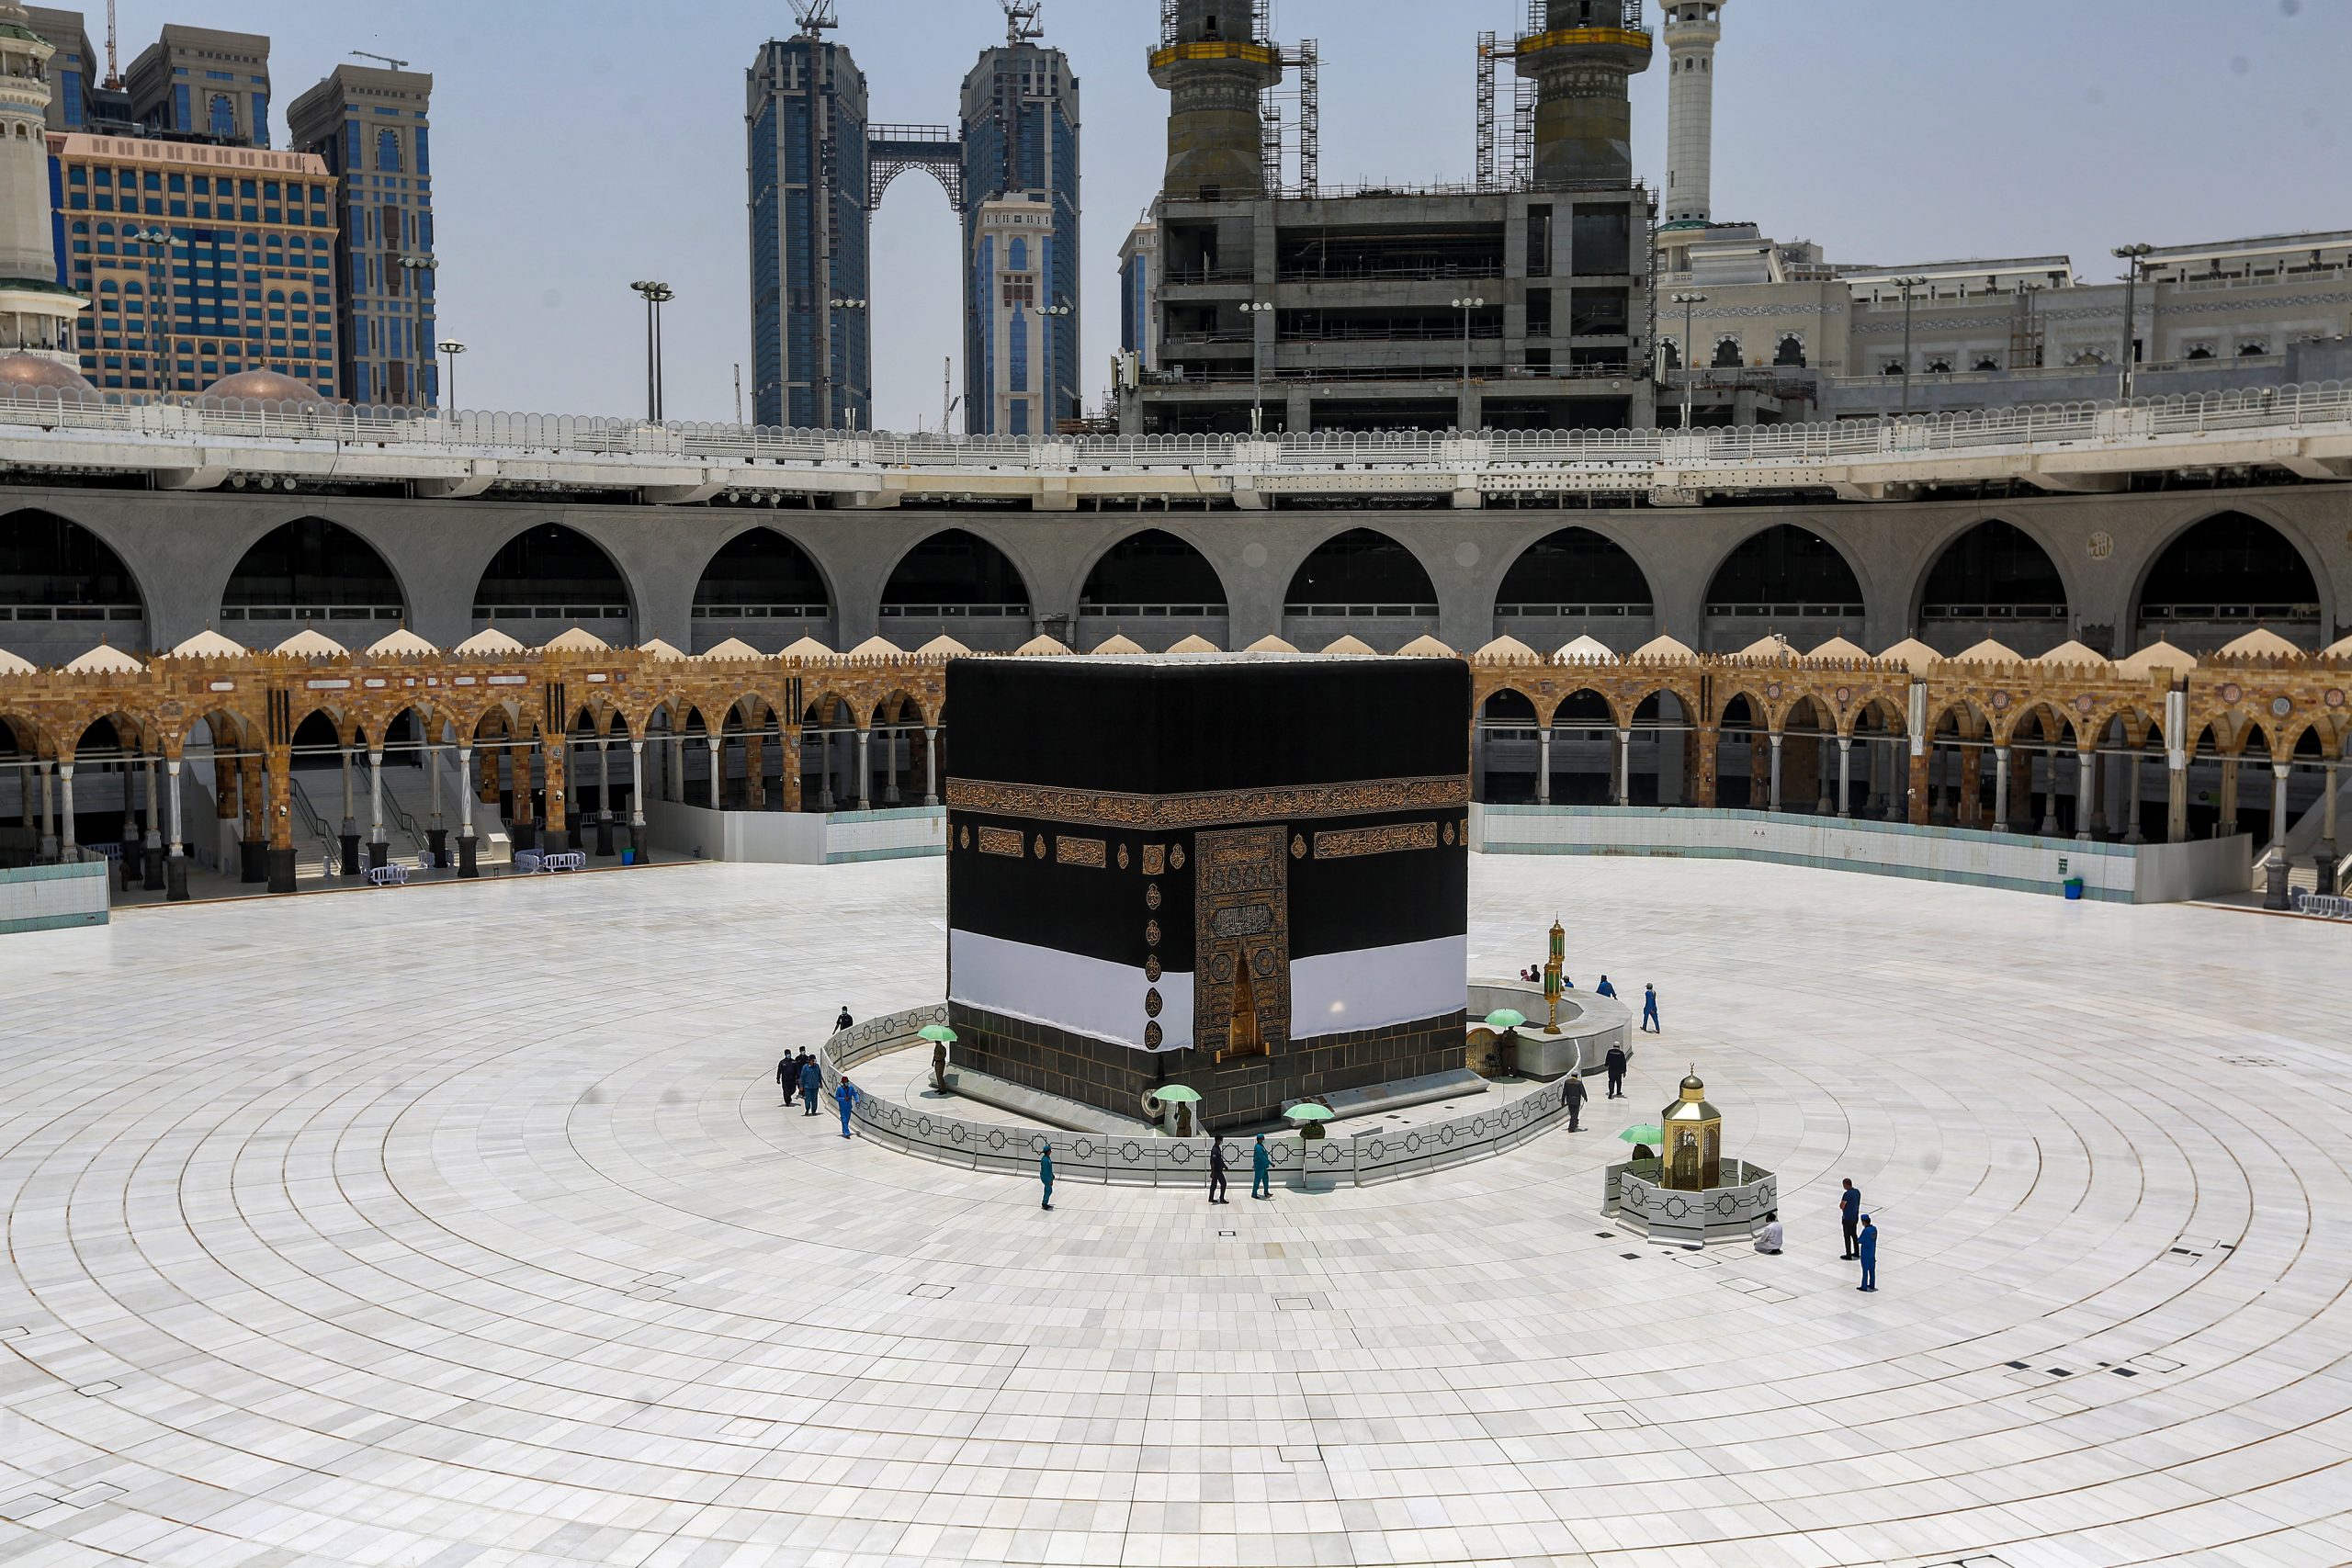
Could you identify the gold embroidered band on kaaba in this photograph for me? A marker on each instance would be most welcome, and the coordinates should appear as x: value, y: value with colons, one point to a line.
x: 1280, y: 803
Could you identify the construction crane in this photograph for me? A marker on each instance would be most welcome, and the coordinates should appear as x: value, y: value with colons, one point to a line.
x: 1021, y: 24
x: 389, y: 62
x: 114, y: 74
x: 815, y: 16
x: 1485, y: 166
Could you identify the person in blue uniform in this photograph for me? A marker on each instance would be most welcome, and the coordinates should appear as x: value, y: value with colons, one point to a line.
x: 1649, y: 1011
x: 1867, y: 1250
x: 1262, y: 1169
x: 1045, y: 1174
x: 1849, y: 1212
x: 812, y: 1079
x: 1605, y: 989
x: 845, y: 1097
x: 787, y: 1073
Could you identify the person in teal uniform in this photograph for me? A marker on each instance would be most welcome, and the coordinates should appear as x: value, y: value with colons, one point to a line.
x: 1262, y: 1169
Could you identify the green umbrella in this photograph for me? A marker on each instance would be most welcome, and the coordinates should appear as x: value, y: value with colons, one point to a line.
x: 1175, y: 1094
x: 1645, y: 1134
x: 938, y: 1031
x: 1307, y: 1110
x: 1504, y: 1018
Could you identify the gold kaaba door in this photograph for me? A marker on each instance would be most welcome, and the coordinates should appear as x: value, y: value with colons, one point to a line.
x: 1241, y: 942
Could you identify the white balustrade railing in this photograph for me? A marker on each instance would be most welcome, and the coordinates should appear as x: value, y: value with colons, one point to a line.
x: 149, y: 434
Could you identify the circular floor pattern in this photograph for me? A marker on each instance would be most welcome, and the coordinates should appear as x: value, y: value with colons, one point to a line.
x: 462, y: 1225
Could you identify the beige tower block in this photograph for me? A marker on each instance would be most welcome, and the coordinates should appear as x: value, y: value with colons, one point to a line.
x: 35, y: 312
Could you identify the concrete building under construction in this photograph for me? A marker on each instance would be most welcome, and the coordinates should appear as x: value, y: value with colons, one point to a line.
x: 1521, y: 300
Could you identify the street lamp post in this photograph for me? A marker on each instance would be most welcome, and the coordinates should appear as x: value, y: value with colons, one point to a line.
x: 452, y: 348
x: 2132, y: 258
x: 656, y: 295
x: 416, y: 267
x: 1253, y: 309
x: 1466, y: 307
x: 1689, y: 303
x: 1053, y: 313
x: 851, y: 422
x: 159, y: 271
x: 1907, y: 284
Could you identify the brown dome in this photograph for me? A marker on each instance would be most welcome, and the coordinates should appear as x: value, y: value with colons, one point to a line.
x: 262, y: 387
x: 38, y: 372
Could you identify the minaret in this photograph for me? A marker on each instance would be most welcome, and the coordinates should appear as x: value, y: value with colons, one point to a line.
x: 36, y: 313
x: 1693, y: 28
x: 1214, y: 70
x: 1584, y: 116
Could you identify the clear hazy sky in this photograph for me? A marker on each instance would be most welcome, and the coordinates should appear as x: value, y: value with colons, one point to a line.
x: 579, y: 145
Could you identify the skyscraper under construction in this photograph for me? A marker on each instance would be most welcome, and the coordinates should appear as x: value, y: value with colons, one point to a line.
x: 1521, y: 302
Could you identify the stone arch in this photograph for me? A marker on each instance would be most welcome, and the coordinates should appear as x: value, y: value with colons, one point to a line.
x: 312, y: 569
x: 551, y: 576
x: 1161, y: 578
x: 1360, y: 580
x: 764, y: 586
x: 1788, y: 577
x: 2224, y: 574
x: 1567, y: 580
x: 1992, y: 579
x: 1504, y: 759
x: 957, y: 581
x: 53, y: 562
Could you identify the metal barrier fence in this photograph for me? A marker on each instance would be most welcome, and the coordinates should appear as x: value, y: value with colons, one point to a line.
x: 2335, y: 909
x: 1148, y: 1160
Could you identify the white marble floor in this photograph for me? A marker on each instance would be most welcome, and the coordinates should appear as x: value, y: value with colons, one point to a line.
x: 461, y: 1225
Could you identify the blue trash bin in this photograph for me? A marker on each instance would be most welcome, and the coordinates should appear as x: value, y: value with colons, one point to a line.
x: 2074, y: 888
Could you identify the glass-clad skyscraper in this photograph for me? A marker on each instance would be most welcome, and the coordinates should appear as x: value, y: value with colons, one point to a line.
x: 805, y: 118
x: 1021, y: 241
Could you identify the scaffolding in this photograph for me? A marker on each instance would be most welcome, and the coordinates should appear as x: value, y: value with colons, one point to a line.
x: 1311, y: 116
x: 1486, y: 46
x: 1167, y: 24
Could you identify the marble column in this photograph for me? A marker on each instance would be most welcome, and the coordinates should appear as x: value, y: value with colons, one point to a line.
x: 2176, y: 803
x: 1544, y: 766
x: 2229, y: 799
x: 824, y: 770
x: 2094, y: 782
x: 864, y: 773
x: 718, y: 744
x: 2328, y: 852
x: 1844, y: 775
x: 1775, y: 803
x: 176, y: 855
x: 67, y: 851
x: 2049, y: 795
x: 468, y: 849
x: 890, y: 766
x: 2001, y: 788
x: 379, y: 852
x: 48, y: 812
x: 348, y: 834
x: 639, y: 846
x: 2132, y: 834
x: 2085, y: 796
x: 150, y: 841
x: 1625, y: 764
x: 931, y: 765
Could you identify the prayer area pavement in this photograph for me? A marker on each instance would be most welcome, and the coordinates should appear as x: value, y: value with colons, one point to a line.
x: 461, y: 1226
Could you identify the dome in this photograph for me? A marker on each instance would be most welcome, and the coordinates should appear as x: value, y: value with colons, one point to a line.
x: 1118, y: 642
x: 2073, y: 652
x: 661, y: 652
x: 942, y: 647
x: 2261, y: 643
x: 309, y: 644
x: 1586, y: 650
x: 575, y: 639
x: 1663, y: 647
x: 1041, y: 646
x: 733, y: 647
x: 14, y: 664
x: 208, y: 644
x: 808, y: 648
x: 2157, y: 655
x: 489, y: 643
x: 1270, y: 643
x: 1913, y: 655
x: 105, y: 660
x: 1193, y: 644
x: 1349, y: 644
x: 877, y: 648
x: 1425, y: 647
x: 1988, y: 652
x: 1508, y: 649
x: 38, y: 373
x: 1690, y: 1084
x: 401, y: 644
x: 261, y: 387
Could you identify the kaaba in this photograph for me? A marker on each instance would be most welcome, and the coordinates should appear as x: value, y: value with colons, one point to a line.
x: 1244, y: 872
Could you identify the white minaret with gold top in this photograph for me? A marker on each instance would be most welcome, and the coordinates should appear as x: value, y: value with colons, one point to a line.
x: 36, y: 313
x: 1693, y: 29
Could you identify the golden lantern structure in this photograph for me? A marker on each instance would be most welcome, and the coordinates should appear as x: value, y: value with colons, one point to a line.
x: 1693, y: 1157
x: 1552, y: 963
